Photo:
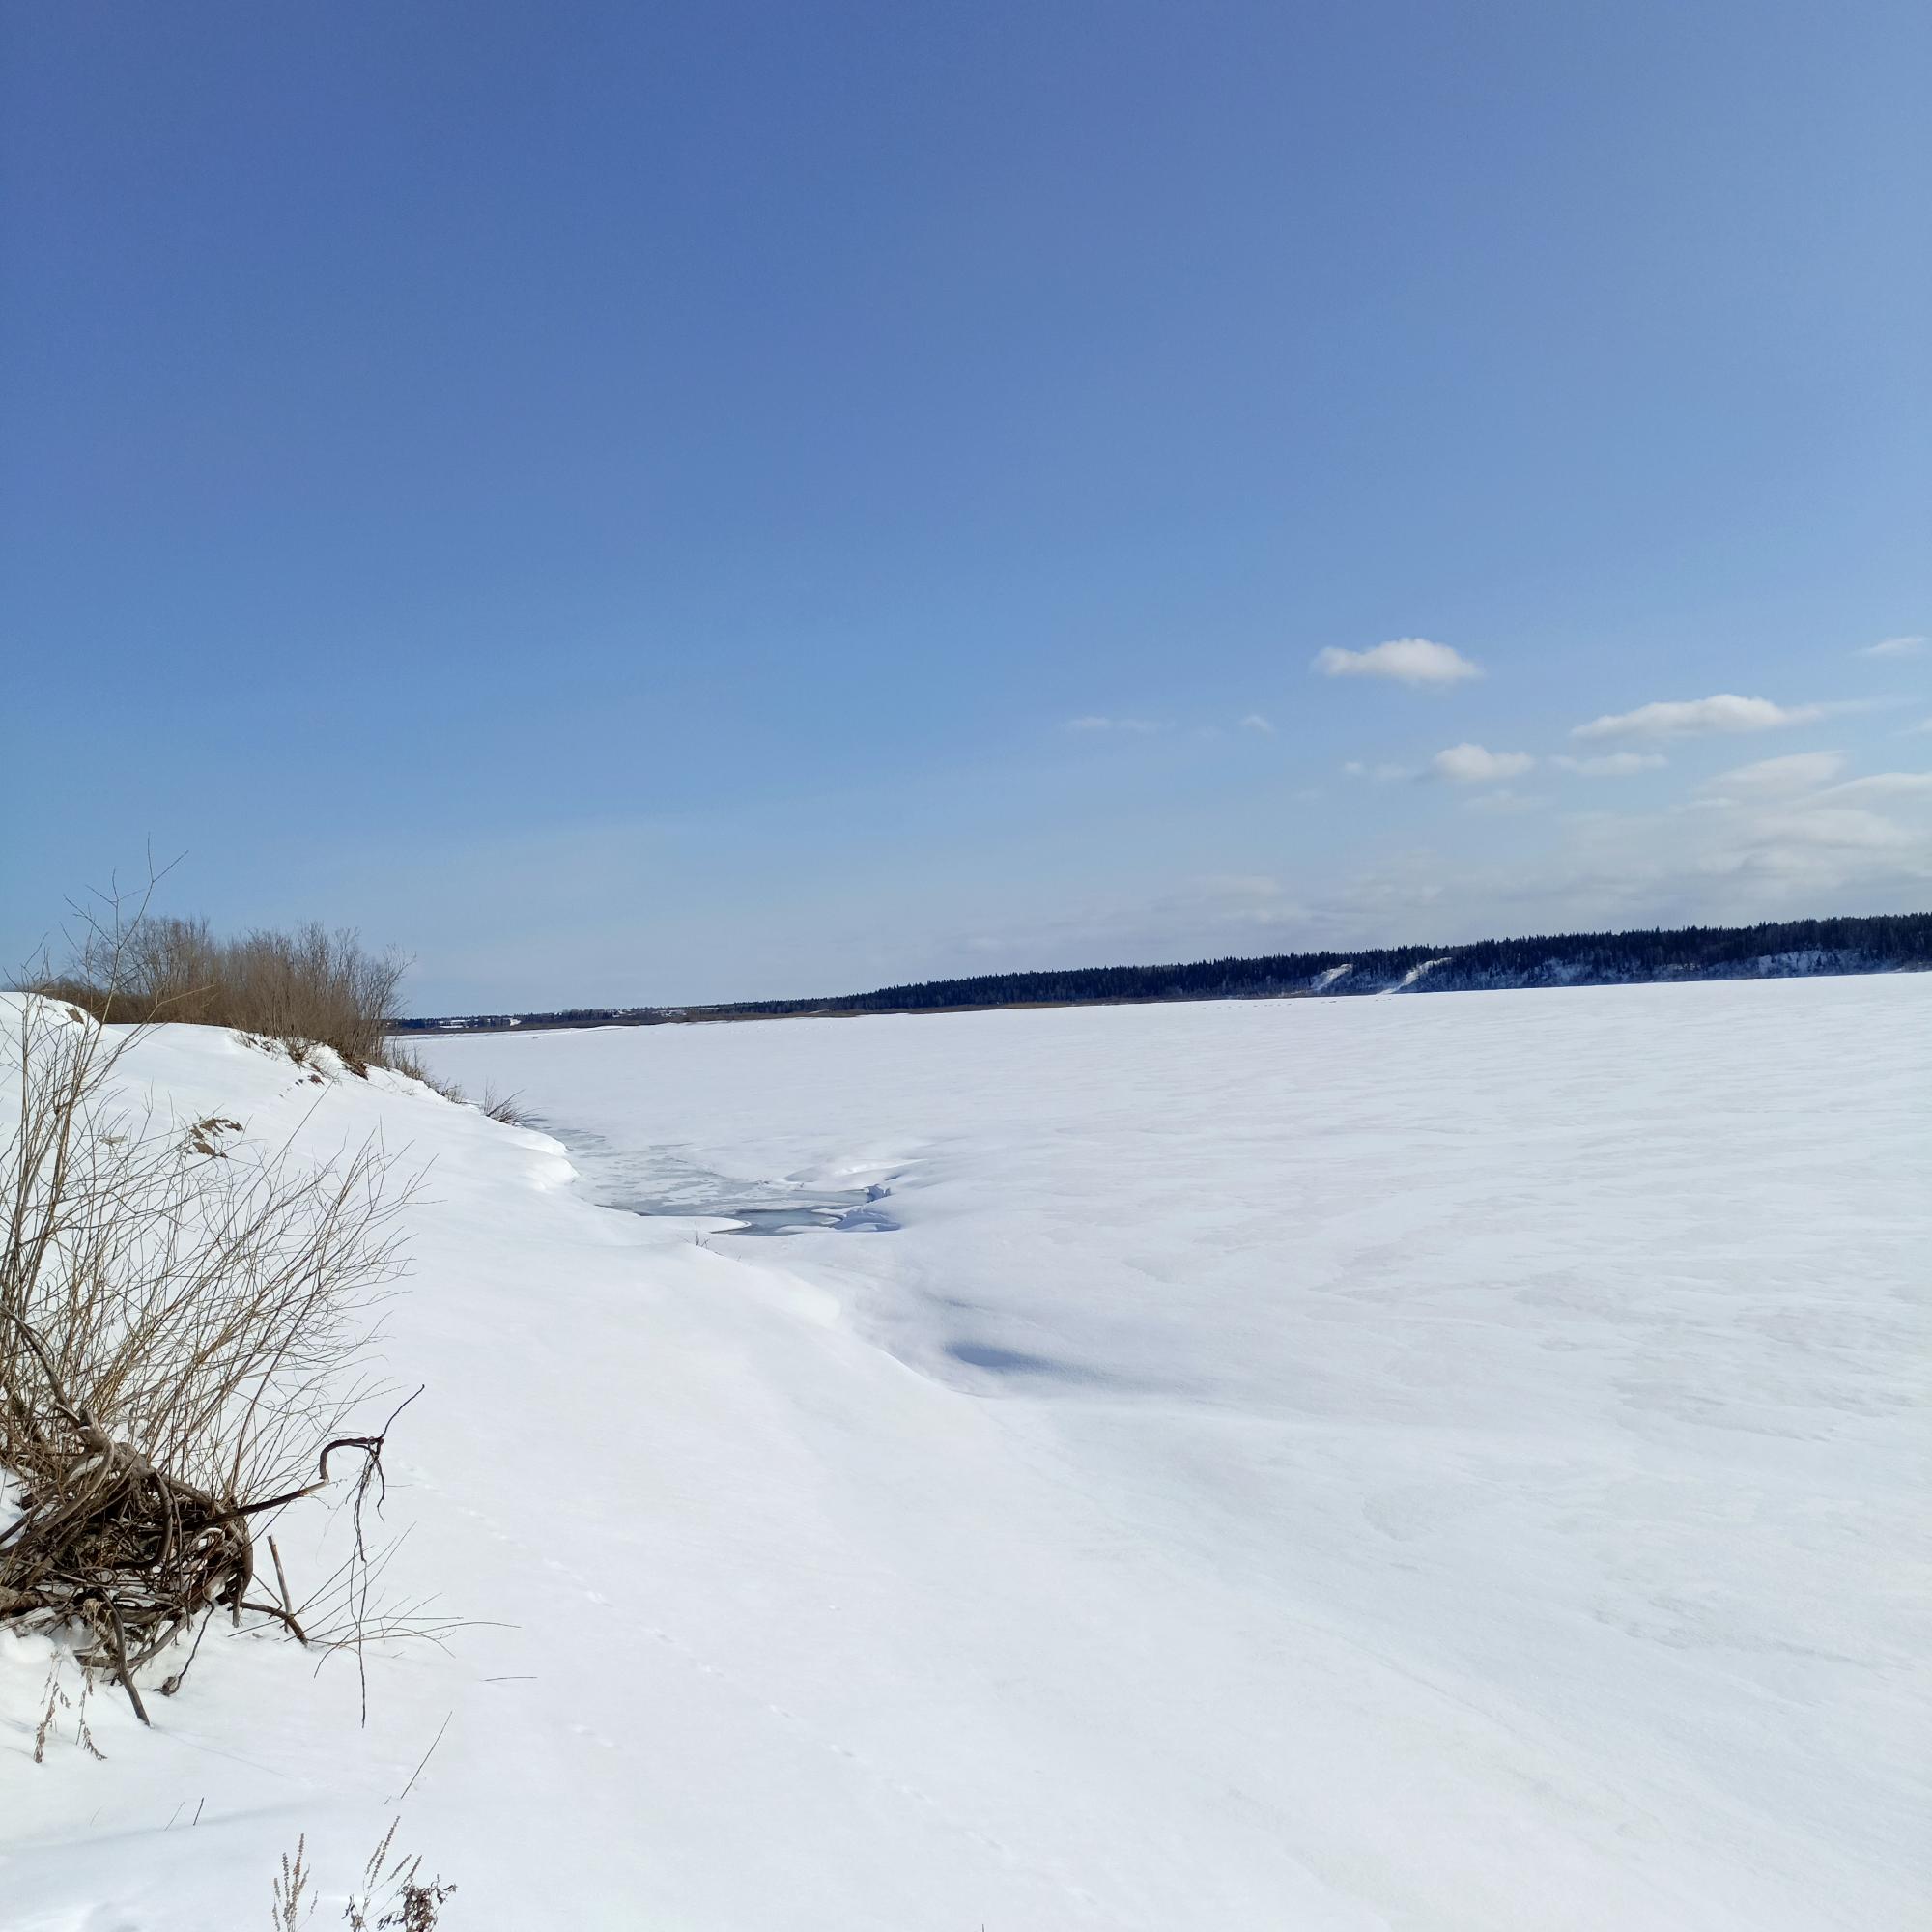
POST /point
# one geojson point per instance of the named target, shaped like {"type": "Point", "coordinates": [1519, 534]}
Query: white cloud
{"type": "Point", "coordinates": [1782, 847]}
{"type": "Point", "coordinates": [1733, 862]}
{"type": "Point", "coordinates": [1894, 647]}
{"type": "Point", "coordinates": [1685, 718]}
{"type": "Point", "coordinates": [1094, 723]}
{"type": "Point", "coordinates": [1411, 661]}
{"type": "Point", "coordinates": [1611, 764]}
{"type": "Point", "coordinates": [1472, 764]}
{"type": "Point", "coordinates": [1772, 777]}
{"type": "Point", "coordinates": [1831, 828]}
{"type": "Point", "coordinates": [1727, 863]}
{"type": "Point", "coordinates": [1255, 722]}
{"type": "Point", "coordinates": [1884, 784]}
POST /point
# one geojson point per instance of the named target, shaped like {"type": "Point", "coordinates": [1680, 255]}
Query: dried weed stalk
{"type": "Point", "coordinates": [393, 1897]}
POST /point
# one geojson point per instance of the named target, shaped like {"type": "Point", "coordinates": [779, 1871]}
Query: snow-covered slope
{"type": "Point", "coordinates": [1378, 1463]}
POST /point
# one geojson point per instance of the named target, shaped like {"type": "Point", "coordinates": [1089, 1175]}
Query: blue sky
{"type": "Point", "coordinates": [633, 502]}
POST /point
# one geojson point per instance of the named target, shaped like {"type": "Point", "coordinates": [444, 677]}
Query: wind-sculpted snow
{"type": "Point", "coordinates": [1324, 1465]}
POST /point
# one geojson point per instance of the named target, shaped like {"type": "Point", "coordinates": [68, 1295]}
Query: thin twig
{"type": "Point", "coordinates": [121, 1654]}
{"type": "Point", "coordinates": [426, 1756]}
{"type": "Point", "coordinates": [281, 1576]}
{"type": "Point", "coordinates": [281, 1616]}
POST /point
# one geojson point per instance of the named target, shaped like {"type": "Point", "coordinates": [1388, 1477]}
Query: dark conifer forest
{"type": "Point", "coordinates": [1789, 949]}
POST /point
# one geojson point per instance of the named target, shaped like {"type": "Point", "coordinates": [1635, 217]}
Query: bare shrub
{"type": "Point", "coordinates": [301, 988]}
{"type": "Point", "coordinates": [181, 1317]}
{"type": "Point", "coordinates": [304, 986]}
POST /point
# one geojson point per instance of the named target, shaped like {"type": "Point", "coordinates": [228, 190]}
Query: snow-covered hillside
{"type": "Point", "coordinates": [1422, 1464]}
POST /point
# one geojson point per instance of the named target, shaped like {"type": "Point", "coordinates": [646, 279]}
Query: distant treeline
{"type": "Point", "coordinates": [1792, 949]}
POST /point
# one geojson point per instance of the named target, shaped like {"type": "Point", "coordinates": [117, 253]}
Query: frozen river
{"type": "Point", "coordinates": [1428, 1461]}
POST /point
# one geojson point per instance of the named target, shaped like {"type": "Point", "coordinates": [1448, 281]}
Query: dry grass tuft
{"type": "Point", "coordinates": [393, 1896]}
{"type": "Point", "coordinates": [400, 1059]}
{"type": "Point", "coordinates": [292, 1889]}
{"type": "Point", "coordinates": [504, 1107]}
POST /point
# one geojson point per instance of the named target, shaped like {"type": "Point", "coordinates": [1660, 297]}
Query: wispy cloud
{"type": "Point", "coordinates": [1255, 722]}
{"type": "Point", "coordinates": [1412, 661]}
{"type": "Point", "coordinates": [1776, 777]}
{"type": "Point", "coordinates": [1884, 784]}
{"type": "Point", "coordinates": [1092, 722]}
{"type": "Point", "coordinates": [1692, 717]}
{"type": "Point", "coordinates": [1894, 647]}
{"type": "Point", "coordinates": [1380, 774]}
{"type": "Point", "coordinates": [1804, 781]}
{"type": "Point", "coordinates": [1473, 765]}
{"type": "Point", "coordinates": [1733, 862]}
{"type": "Point", "coordinates": [1610, 764]}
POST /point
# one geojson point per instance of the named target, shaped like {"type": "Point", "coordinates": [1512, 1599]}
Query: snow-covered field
{"type": "Point", "coordinates": [1396, 1463]}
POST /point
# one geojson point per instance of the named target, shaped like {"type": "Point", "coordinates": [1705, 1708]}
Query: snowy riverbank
{"type": "Point", "coordinates": [1423, 1464]}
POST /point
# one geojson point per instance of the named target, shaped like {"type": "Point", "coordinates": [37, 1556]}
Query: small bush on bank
{"type": "Point", "coordinates": [305, 986]}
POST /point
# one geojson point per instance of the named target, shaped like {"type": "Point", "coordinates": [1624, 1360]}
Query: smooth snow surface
{"type": "Point", "coordinates": [1419, 1464]}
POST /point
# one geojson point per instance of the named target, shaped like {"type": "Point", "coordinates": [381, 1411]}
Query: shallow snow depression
{"type": "Point", "coordinates": [1430, 1463]}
